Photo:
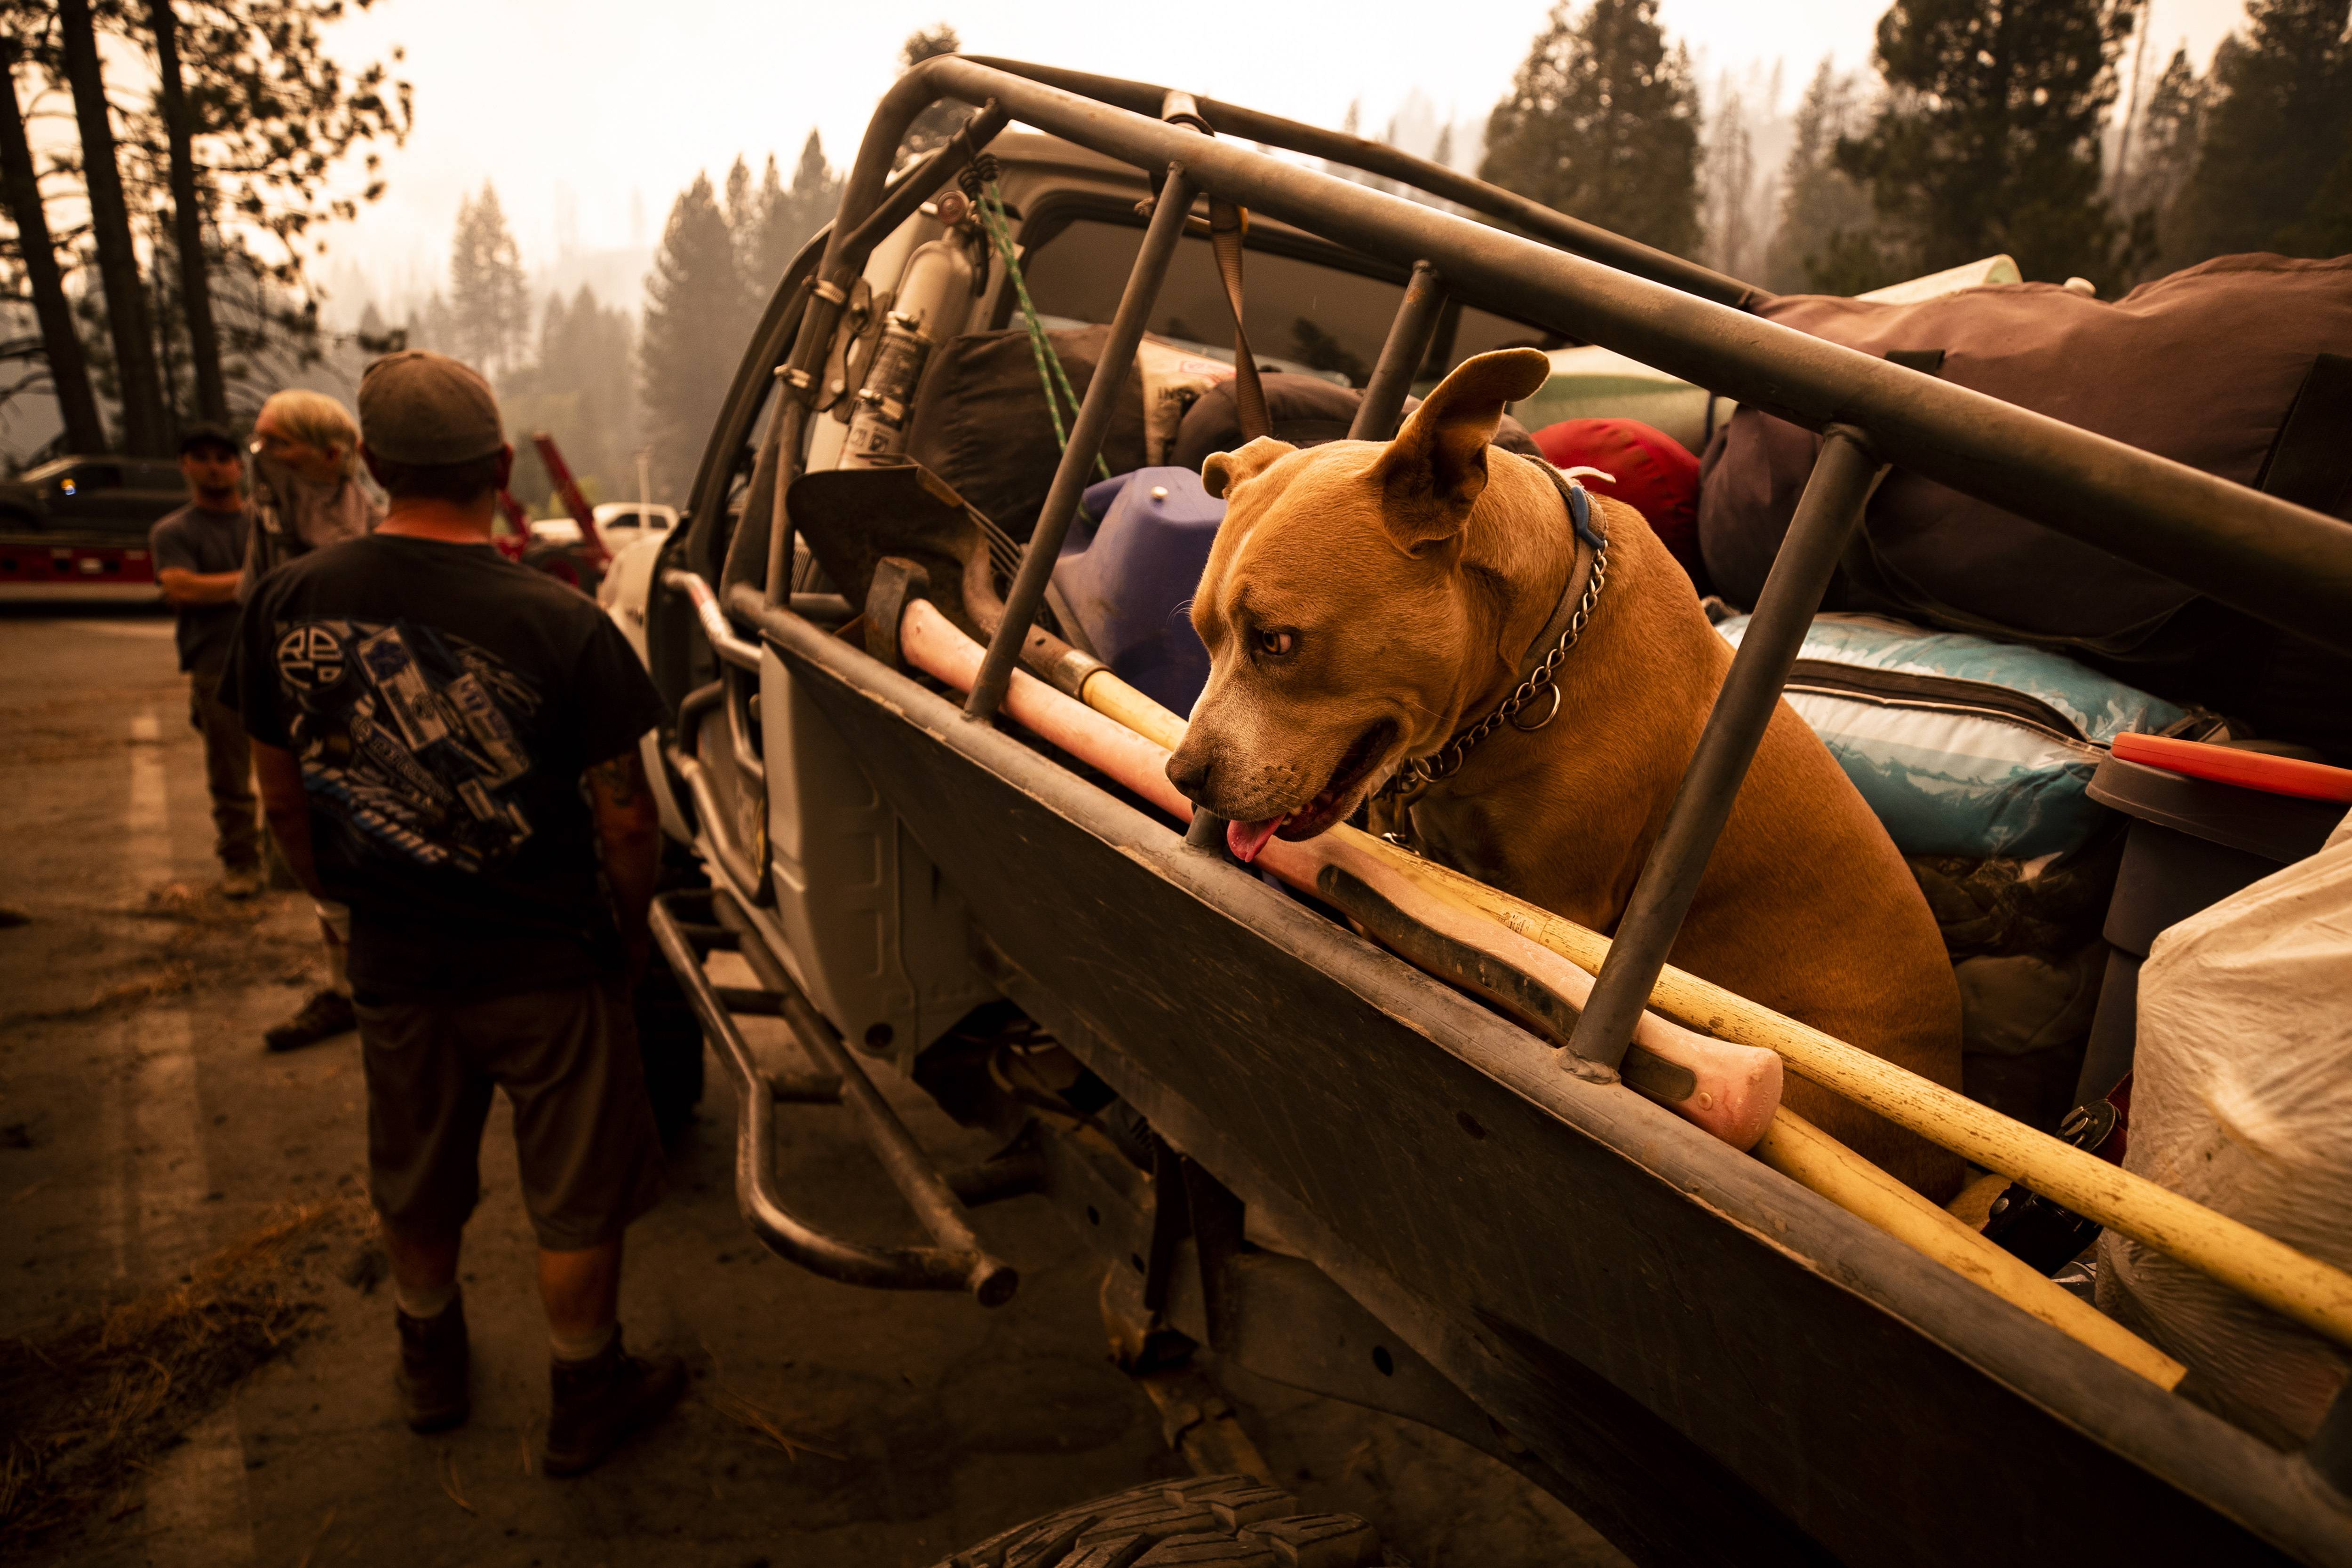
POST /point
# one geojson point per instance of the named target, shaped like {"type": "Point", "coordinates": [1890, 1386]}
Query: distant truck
{"type": "Point", "coordinates": [75, 529]}
{"type": "Point", "coordinates": [619, 524]}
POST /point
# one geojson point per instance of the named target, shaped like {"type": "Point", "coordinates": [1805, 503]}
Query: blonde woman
{"type": "Point", "coordinates": [307, 493]}
{"type": "Point", "coordinates": [308, 489]}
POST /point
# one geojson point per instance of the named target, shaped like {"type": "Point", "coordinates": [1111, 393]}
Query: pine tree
{"type": "Point", "coordinates": [1988, 141]}
{"type": "Point", "coordinates": [2164, 144]}
{"type": "Point", "coordinates": [784, 219]}
{"type": "Point", "coordinates": [694, 332]}
{"type": "Point", "coordinates": [2325, 227]}
{"type": "Point", "coordinates": [2277, 120]}
{"type": "Point", "coordinates": [36, 257]}
{"type": "Point", "coordinates": [187, 214]}
{"type": "Point", "coordinates": [1826, 238]}
{"type": "Point", "coordinates": [266, 140]}
{"type": "Point", "coordinates": [239, 151]}
{"type": "Point", "coordinates": [1728, 190]}
{"type": "Point", "coordinates": [815, 197]}
{"type": "Point", "coordinates": [578, 388]}
{"type": "Point", "coordinates": [138, 379]}
{"type": "Point", "coordinates": [1602, 123]}
{"type": "Point", "coordinates": [489, 301]}
{"type": "Point", "coordinates": [741, 203]}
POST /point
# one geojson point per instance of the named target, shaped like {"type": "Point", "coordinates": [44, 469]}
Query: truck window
{"type": "Point", "coordinates": [1320, 316]}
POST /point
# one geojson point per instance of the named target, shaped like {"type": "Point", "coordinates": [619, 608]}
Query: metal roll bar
{"type": "Point", "coordinates": [2257, 553]}
{"type": "Point", "coordinates": [1172, 206]}
{"type": "Point", "coordinates": [723, 641]}
{"type": "Point", "coordinates": [1546, 224]}
{"type": "Point", "coordinates": [1402, 353]}
{"type": "Point", "coordinates": [2269, 558]}
{"type": "Point", "coordinates": [1827, 513]}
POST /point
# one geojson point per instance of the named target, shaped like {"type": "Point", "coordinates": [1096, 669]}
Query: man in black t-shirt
{"type": "Point", "coordinates": [198, 551]}
{"type": "Point", "coordinates": [447, 743]}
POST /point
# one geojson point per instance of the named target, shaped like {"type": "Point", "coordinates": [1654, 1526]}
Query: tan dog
{"type": "Point", "coordinates": [1366, 603]}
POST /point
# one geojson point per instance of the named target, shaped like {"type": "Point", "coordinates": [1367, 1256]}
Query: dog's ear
{"type": "Point", "coordinates": [1431, 473]}
{"type": "Point", "coordinates": [1224, 470]}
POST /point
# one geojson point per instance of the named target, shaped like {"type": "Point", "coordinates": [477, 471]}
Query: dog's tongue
{"type": "Point", "coordinates": [1246, 839]}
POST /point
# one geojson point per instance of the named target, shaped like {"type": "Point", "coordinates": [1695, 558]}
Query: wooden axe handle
{"type": "Point", "coordinates": [2313, 1293]}
{"type": "Point", "coordinates": [1803, 1152]}
{"type": "Point", "coordinates": [1731, 1091]}
{"type": "Point", "coordinates": [1491, 945]}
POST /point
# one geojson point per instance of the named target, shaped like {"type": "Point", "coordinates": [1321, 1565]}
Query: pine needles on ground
{"type": "Point", "coordinates": [92, 1401]}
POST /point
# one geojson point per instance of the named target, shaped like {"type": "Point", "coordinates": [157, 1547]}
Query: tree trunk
{"type": "Point", "coordinates": [144, 429]}
{"type": "Point", "coordinates": [188, 218]}
{"type": "Point", "coordinates": [21, 187]}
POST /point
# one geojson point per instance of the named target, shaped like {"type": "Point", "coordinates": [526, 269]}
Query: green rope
{"type": "Point", "coordinates": [1049, 364]}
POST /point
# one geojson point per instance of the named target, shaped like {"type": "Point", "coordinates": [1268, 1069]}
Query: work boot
{"type": "Point", "coordinates": [326, 1015]}
{"type": "Point", "coordinates": [241, 881]}
{"type": "Point", "coordinates": [433, 1366]}
{"type": "Point", "coordinates": [601, 1400]}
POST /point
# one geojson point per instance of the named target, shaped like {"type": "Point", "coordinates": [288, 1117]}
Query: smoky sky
{"type": "Point", "coordinates": [591, 115]}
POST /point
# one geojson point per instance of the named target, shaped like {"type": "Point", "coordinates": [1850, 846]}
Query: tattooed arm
{"type": "Point", "coordinates": [287, 807]}
{"type": "Point", "coordinates": [628, 839]}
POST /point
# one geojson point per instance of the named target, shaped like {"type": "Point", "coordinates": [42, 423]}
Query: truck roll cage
{"type": "Point", "coordinates": [1595, 1311]}
{"type": "Point", "coordinates": [2257, 553]}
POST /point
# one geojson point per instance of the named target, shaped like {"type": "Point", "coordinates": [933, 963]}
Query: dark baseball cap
{"type": "Point", "coordinates": [426, 409]}
{"type": "Point", "coordinates": [199, 435]}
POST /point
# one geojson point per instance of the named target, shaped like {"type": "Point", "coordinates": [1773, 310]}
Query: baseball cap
{"type": "Point", "coordinates": [196, 435]}
{"type": "Point", "coordinates": [426, 409]}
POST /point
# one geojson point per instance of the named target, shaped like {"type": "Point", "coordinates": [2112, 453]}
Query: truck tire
{"type": "Point", "coordinates": [1206, 1521]}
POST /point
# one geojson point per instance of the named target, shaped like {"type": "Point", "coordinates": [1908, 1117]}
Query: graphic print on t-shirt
{"type": "Point", "coordinates": [410, 736]}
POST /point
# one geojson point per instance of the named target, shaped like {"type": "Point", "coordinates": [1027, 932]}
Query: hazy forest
{"type": "Point", "coordinates": [173, 172]}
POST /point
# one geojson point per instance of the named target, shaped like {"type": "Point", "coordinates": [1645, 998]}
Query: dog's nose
{"type": "Point", "coordinates": [1189, 771]}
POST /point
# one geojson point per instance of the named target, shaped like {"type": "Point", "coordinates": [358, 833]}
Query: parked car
{"type": "Point", "coordinates": [620, 523]}
{"type": "Point", "coordinates": [76, 528]}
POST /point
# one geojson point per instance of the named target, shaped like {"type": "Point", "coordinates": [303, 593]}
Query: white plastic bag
{"type": "Point", "coordinates": [2242, 1099]}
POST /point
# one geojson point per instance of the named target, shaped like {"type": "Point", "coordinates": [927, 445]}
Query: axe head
{"type": "Point", "coordinates": [854, 518]}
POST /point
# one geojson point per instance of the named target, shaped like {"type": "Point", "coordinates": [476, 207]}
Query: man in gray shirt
{"type": "Point", "coordinates": [197, 552]}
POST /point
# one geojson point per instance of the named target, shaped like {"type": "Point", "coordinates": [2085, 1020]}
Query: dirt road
{"type": "Point", "coordinates": [143, 1131]}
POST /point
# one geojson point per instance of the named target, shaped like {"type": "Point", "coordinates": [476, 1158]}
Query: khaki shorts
{"type": "Point", "coordinates": [584, 1128]}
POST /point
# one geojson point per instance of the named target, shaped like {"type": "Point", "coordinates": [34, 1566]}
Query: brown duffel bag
{"type": "Point", "coordinates": [2241, 367]}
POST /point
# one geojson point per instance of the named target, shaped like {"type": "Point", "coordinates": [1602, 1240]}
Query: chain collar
{"type": "Point", "coordinates": [1418, 773]}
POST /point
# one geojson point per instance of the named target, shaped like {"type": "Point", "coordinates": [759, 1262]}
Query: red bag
{"type": "Point", "coordinates": [1649, 470]}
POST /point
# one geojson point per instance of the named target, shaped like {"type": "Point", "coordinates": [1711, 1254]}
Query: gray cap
{"type": "Point", "coordinates": [427, 408]}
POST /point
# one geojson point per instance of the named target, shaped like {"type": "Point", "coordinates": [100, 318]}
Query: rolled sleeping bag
{"type": "Point", "coordinates": [1961, 744]}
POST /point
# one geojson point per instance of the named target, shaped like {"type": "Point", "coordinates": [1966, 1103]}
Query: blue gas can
{"type": "Point", "coordinates": [1129, 579]}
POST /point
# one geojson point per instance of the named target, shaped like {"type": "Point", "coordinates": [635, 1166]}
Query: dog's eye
{"type": "Point", "coordinates": [1275, 643]}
